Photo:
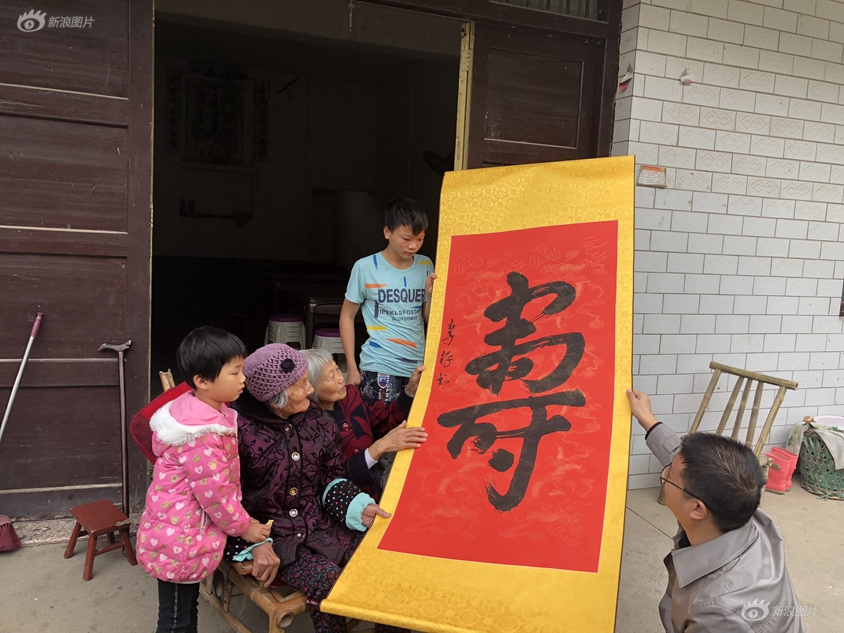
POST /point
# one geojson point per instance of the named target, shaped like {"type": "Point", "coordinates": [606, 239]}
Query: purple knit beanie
{"type": "Point", "coordinates": [272, 369]}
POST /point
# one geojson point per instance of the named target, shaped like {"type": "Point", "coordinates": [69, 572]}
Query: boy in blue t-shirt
{"type": "Point", "coordinates": [393, 288]}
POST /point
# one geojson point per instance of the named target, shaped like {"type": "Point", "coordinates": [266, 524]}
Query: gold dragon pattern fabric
{"type": "Point", "coordinates": [511, 516]}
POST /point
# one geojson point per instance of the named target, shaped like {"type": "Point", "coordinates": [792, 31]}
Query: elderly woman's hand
{"type": "Point", "coordinates": [369, 513]}
{"type": "Point", "coordinates": [413, 383]}
{"type": "Point", "coordinates": [398, 439]}
{"type": "Point", "coordinates": [265, 564]}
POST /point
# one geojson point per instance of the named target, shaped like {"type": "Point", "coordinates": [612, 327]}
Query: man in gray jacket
{"type": "Point", "coordinates": [726, 573]}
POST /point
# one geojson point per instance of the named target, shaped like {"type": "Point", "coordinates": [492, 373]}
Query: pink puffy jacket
{"type": "Point", "coordinates": [193, 502]}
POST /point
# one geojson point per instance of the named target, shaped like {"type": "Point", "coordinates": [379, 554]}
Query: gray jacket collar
{"type": "Point", "coordinates": [696, 561]}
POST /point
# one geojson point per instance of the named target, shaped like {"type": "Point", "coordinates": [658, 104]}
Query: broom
{"type": "Point", "coordinates": [9, 540]}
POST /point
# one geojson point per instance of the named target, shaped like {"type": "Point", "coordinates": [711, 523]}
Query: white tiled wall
{"type": "Point", "coordinates": [741, 259]}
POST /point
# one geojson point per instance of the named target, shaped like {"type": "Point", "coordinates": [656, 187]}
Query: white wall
{"type": "Point", "coordinates": [739, 260]}
{"type": "Point", "coordinates": [322, 135]}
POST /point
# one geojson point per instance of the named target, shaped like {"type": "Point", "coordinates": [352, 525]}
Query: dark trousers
{"type": "Point", "coordinates": [381, 387]}
{"type": "Point", "coordinates": [177, 607]}
{"type": "Point", "coordinates": [385, 388]}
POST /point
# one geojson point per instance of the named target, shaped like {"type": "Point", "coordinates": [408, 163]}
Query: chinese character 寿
{"type": "Point", "coordinates": [511, 362]}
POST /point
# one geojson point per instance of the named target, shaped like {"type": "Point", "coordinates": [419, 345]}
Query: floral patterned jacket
{"type": "Point", "coordinates": [287, 467]}
{"type": "Point", "coordinates": [360, 421]}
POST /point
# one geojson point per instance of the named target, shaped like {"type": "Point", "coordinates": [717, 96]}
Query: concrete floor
{"type": "Point", "coordinates": [41, 591]}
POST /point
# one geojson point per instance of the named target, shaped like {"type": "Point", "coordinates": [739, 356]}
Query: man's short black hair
{"type": "Point", "coordinates": [725, 474]}
{"type": "Point", "coordinates": [205, 351]}
{"type": "Point", "coordinates": [405, 212]}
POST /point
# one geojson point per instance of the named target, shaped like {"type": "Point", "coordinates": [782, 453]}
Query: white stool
{"type": "Point", "coordinates": [286, 328]}
{"type": "Point", "coordinates": [329, 340]}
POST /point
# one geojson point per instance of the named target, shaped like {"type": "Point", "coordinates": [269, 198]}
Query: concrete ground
{"type": "Point", "coordinates": [41, 591]}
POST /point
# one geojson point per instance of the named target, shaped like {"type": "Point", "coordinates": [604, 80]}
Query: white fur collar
{"type": "Point", "coordinates": [174, 433]}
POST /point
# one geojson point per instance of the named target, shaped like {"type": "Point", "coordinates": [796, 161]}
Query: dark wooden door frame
{"type": "Point", "coordinates": [606, 31]}
{"type": "Point", "coordinates": [495, 13]}
{"type": "Point", "coordinates": [139, 191]}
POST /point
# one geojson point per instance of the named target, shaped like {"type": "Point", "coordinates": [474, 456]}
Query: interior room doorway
{"type": "Point", "coordinates": [280, 134]}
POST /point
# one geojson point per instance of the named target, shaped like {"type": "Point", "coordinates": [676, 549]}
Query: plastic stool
{"type": "Point", "coordinates": [100, 518]}
{"type": "Point", "coordinates": [286, 328]}
{"type": "Point", "coordinates": [329, 340]}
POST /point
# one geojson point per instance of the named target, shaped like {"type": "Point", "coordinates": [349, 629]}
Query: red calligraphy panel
{"type": "Point", "coordinates": [520, 416]}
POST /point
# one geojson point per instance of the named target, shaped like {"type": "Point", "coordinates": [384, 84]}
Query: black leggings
{"type": "Point", "coordinates": [177, 607]}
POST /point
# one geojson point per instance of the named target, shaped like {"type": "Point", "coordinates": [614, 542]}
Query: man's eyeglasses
{"type": "Point", "coordinates": [663, 478]}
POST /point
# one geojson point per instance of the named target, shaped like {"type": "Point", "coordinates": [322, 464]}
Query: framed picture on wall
{"type": "Point", "coordinates": [217, 115]}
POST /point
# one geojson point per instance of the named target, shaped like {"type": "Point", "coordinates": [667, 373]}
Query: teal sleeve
{"type": "Point", "coordinates": [355, 511]}
{"type": "Point", "coordinates": [329, 487]}
{"type": "Point", "coordinates": [344, 501]}
{"type": "Point", "coordinates": [355, 292]}
{"type": "Point", "coordinates": [246, 554]}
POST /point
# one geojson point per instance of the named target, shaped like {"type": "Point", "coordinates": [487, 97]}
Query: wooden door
{"type": "Point", "coordinates": [75, 213]}
{"type": "Point", "coordinates": [531, 96]}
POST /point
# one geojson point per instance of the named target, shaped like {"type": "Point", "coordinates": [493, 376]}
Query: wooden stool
{"type": "Point", "coordinates": [97, 519]}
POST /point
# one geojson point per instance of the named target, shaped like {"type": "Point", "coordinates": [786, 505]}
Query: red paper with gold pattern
{"type": "Point", "coordinates": [445, 510]}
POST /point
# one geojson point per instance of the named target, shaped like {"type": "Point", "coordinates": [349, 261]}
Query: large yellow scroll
{"type": "Point", "coordinates": [510, 517]}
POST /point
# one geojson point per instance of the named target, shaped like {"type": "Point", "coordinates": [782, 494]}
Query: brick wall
{"type": "Point", "coordinates": [740, 259]}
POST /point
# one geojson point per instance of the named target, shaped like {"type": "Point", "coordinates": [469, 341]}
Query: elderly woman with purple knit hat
{"type": "Point", "coordinates": [292, 472]}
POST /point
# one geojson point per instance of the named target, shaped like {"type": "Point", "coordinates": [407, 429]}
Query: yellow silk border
{"type": "Point", "coordinates": [441, 595]}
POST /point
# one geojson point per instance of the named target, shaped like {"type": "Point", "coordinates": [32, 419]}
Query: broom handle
{"type": "Point", "coordinates": [32, 335]}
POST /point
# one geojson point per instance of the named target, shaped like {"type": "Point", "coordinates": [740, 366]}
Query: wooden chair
{"type": "Point", "coordinates": [219, 589]}
{"type": "Point", "coordinates": [221, 586]}
{"type": "Point", "coordinates": [749, 377]}
{"type": "Point", "coordinates": [167, 381]}
{"type": "Point", "coordinates": [745, 379]}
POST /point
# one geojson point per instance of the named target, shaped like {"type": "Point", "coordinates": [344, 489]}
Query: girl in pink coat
{"type": "Point", "coordinates": [193, 502]}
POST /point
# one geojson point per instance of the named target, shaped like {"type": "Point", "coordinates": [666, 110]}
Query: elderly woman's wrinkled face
{"type": "Point", "coordinates": [297, 397]}
{"type": "Point", "coordinates": [331, 387]}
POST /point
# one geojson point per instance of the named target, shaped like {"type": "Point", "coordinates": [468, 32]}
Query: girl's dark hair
{"type": "Point", "coordinates": [205, 351]}
{"type": "Point", "coordinates": [725, 475]}
{"type": "Point", "coordinates": [405, 212]}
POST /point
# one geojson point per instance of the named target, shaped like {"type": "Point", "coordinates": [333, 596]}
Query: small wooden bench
{"type": "Point", "coordinates": [100, 518]}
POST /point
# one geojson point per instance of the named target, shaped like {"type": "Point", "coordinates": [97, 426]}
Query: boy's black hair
{"type": "Point", "coordinates": [205, 351]}
{"type": "Point", "coordinates": [405, 212]}
{"type": "Point", "coordinates": [727, 476]}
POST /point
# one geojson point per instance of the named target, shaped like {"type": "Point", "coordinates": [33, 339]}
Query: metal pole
{"type": "Point", "coordinates": [32, 335]}
{"type": "Point", "coordinates": [124, 443]}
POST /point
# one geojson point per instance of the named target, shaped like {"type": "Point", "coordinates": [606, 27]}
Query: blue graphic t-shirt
{"type": "Point", "coordinates": [391, 301]}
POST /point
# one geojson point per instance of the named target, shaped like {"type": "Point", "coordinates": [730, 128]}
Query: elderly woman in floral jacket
{"type": "Point", "coordinates": [368, 427]}
{"type": "Point", "coordinates": [292, 472]}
